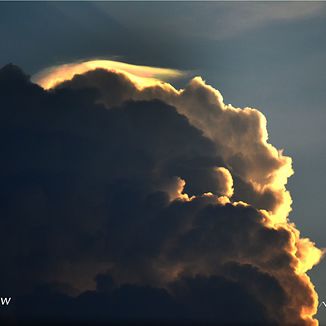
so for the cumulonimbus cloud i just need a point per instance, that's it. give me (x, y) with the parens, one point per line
(170, 191)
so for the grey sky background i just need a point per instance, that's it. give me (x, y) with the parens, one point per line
(268, 55)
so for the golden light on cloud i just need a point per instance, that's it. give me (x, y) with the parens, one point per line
(142, 76)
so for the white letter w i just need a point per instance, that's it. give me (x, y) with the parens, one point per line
(5, 301)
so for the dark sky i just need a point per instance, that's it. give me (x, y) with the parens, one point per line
(270, 56)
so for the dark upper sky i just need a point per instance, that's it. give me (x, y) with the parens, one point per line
(265, 55)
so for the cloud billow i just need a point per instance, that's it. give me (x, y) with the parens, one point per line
(123, 202)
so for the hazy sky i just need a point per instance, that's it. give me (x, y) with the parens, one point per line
(265, 55)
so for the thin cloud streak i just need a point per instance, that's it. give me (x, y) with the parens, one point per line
(141, 75)
(214, 20)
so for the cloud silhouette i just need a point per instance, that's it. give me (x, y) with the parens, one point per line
(129, 203)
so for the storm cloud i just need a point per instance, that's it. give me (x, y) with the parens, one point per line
(142, 202)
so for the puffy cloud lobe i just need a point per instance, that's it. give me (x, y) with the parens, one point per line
(162, 196)
(239, 135)
(225, 181)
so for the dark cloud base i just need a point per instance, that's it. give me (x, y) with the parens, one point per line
(130, 304)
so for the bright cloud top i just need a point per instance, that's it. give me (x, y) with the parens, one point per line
(141, 75)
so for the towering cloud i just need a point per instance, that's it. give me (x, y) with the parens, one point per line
(145, 202)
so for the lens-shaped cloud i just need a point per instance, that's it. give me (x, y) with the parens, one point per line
(141, 75)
